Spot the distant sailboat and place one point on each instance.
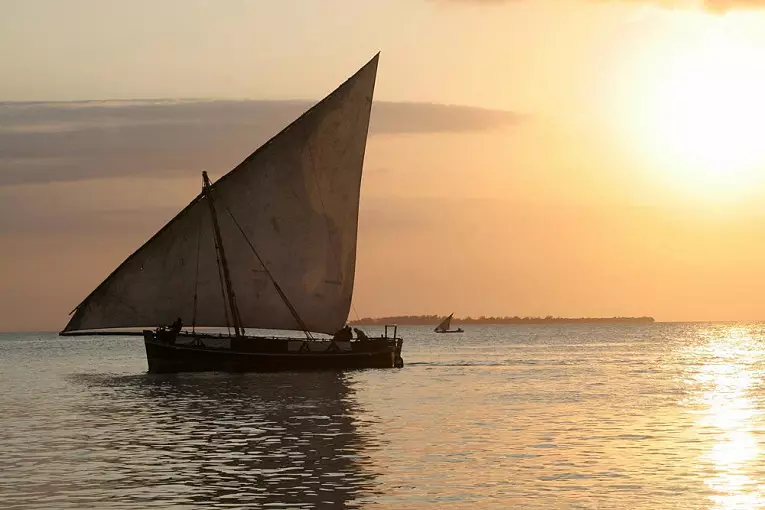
(445, 324)
(270, 245)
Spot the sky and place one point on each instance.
(527, 157)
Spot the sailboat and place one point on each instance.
(271, 245)
(445, 324)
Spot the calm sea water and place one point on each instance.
(630, 416)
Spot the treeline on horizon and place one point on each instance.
(421, 320)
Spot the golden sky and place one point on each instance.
(612, 164)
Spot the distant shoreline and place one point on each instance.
(424, 320)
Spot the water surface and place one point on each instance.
(606, 416)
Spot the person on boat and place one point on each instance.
(361, 335)
(175, 328)
(344, 335)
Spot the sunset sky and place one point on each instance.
(598, 158)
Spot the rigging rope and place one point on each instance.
(281, 293)
(222, 285)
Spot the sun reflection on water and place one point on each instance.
(727, 376)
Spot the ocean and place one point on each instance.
(567, 416)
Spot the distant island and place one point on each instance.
(422, 320)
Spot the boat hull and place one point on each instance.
(260, 354)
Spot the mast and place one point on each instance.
(219, 244)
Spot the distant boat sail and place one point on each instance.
(445, 324)
(270, 245)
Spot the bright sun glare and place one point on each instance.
(704, 114)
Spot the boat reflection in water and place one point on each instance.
(217, 440)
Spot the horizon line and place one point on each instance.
(727, 321)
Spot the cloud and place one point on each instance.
(53, 142)
(724, 5)
(711, 5)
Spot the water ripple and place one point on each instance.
(662, 416)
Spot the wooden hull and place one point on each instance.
(451, 331)
(200, 353)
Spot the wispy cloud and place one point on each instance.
(711, 5)
(47, 142)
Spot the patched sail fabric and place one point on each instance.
(296, 199)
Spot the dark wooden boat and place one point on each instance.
(270, 245)
(200, 352)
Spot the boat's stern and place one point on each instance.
(397, 343)
(398, 361)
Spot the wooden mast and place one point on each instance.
(219, 243)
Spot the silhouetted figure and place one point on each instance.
(344, 335)
(169, 333)
(361, 335)
(175, 328)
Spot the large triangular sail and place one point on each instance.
(445, 324)
(295, 200)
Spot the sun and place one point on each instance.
(711, 114)
(702, 114)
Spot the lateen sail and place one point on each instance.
(297, 200)
(445, 324)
